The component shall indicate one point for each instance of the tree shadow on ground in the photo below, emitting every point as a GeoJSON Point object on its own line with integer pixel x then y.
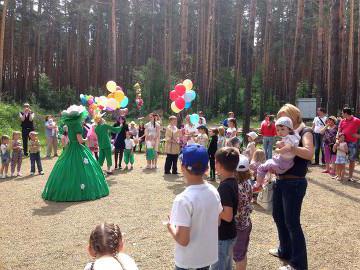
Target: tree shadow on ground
{"type": "Point", "coordinates": [259, 208]}
{"type": "Point", "coordinates": [177, 188]}
{"type": "Point", "coordinates": [54, 208]}
{"type": "Point", "coordinates": [173, 178]}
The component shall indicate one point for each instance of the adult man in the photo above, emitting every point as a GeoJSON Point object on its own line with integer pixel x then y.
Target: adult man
{"type": "Point", "coordinates": [318, 125]}
{"type": "Point", "coordinates": [27, 125]}
{"type": "Point", "coordinates": [349, 126]}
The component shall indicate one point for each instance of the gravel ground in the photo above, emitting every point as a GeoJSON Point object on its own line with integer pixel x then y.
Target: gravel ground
{"type": "Point", "coordinates": [39, 235]}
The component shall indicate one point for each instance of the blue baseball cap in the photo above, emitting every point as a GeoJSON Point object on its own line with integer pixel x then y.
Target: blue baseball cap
{"type": "Point", "coordinates": [195, 158]}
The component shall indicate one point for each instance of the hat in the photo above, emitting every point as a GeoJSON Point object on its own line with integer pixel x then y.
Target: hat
{"type": "Point", "coordinates": [284, 121]}
{"type": "Point", "coordinates": [243, 164]}
{"type": "Point", "coordinates": [252, 135]}
{"type": "Point", "coordinates": [332, 118]}
{"type": "Point", "coordinates": [98, 117]}
{"type": "Point", "coordinates": [132, 123]}
{"type": "Point", "coordinates": [33, 133]}
{"type": "Point", "coordinates": [26, 105]}
{"type": "Point", "coordinates": [201, 127]}
{"type": "Point", "coordinates": [195, 158]}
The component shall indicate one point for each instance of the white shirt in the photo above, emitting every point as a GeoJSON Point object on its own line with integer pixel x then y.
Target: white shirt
{"type": "Point", "coordinates": [292, 140]}
{"type": "Point", "coordinates": [198, 208]}
{"type": "Point", "coordinates": [318, 125]}
{"type": "Point", "coordinates": [230, 131]}
{"type": "Point", "coordinates": [151, 130]}
{"type": "Point", "coordinates": [191, 129]}
{"type": "Point", "coordinates": [110, 263]}
{"type": "Point", "coordinates": [129, 144]}
{"type": "Point", "coordinates": [3, 148]}
{"type": "Point", "coordinates": [149, 144]}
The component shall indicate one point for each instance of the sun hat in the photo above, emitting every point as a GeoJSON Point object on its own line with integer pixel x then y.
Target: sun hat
{"type": "Point", "coordinates": [33, 133]}
{"type": "Point", "coordinates": [195, 158]}
{"type": "Point", "coordinates": [243, 164]}
{"type": "Point", "coordinates": [26, 105]}
{"type": "Point", "coordinates": [333, 118]}
{"type": "Point", "coordinates": [132, 123]}
{"type": "Point", "coordinates": [284, 121]}
{"type": "Point", "coordinates": [252, 135]}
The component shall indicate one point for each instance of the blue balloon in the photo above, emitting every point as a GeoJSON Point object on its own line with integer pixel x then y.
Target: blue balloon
{"type": "Point", "coordinates": [187, 105]}
{"type": "Point", "coordinates": [194, 118]}
{"type": "Point", "coordinates": [192, 94]}
{"type": "Point", "coordinates": [83, 101]}
{"type": "Point", "coordinates": [124, 102]}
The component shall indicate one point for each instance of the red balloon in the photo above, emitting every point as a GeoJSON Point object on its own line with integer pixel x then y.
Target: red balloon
{"type": "Point", "coordinates": [180, 89]}
{"type": "Point", "coordinates": [180, 103]}
{"type": "Point", "coordinates": [173, 95]}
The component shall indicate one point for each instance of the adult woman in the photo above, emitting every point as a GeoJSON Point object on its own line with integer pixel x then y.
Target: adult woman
{"type": "Point", "coordinates": [27, 125]}
{"type": "Point", "coordinates": [190, 130]}
{"type": "Point", "coordinates": [141, 134]}
{"type": "Point", "coordinates": [289, 191]}
{"type": "Point", "coordinates": [119, 141]}
{"type": "Point", "coordinates": [329, 138]}
{"type": "Point", "coordinates": [152, 128]}
{"type": "Point", "coordinates": [76, 176]}
{"type": "Point", "coordinates": [172, 146]}
{"type": "Point", "coordinates": [268, 131]}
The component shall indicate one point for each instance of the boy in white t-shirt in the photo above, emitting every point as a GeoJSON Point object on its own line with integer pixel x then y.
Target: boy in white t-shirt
{"type": "Point", "coordinates": [129, 150]}
{"type": "Point", "coordinates": [195, 213]}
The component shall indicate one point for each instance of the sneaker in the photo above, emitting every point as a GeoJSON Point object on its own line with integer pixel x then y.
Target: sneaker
{"type": "Point", "coordinates": [12, 175]}
{"type": "Point", "coordinates": [351, 180]}
{"type": "Point", "coordinates": [274, 252]}
{"type": "Point", "coordinates": [131, 167]}
{"type": "Point", "coordinates": [41, 173]}
{"type": "Point", "coordinates": [3, 176]}
{"type": "Point", "coordinates": [19, 174]}
{"type": "Point", "coordinates": [126, 167]}
{"type": "Point", "coordinates": [31, 173]}
{"type": "Point", "coordinates": [287, 267]}
{"type": "Point", "coordinates": [334, 176]}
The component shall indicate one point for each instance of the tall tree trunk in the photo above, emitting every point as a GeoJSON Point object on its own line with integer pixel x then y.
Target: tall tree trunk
{"type": "Point", "coordinates": [184, 37]}
{"type": "Point", "coordinates": [294, 68]}
{"type": "Point", "coordinates": [2, 36]}
{"type": "Point", "coordinates": [113, 39]}
{"type": "Point", "coordinates": [320, 57]}
{"type": "Point", "coordinates": [350, 68]}
{"type": "Point", "coordinates": [249, 64]}
{"type": "Point", "coordinates": [343, 52]}
{"type": "Point", "coordinates": [334, 68]}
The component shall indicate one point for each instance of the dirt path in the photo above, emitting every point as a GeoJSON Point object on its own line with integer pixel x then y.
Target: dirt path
{"type": "Point", "coordinates": [38, 235]}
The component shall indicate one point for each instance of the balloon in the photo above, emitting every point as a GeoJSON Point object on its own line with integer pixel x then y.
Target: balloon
{"type": "Point", "coordinates": [188, 84]}
{"type": "Point", "coordinates": [124, 102]}
{"type": "Point", "coordinates": [90, 101]}
{"type": "Point", "coordinates": [83, 101]}
{"type": "Point", "coordinates": [111, 86]}
{"type": "Point", "coordinates": [81, 96]}
{"type": "Point", "coordinates": [118, 88]}
{"type": "Point", "coordinates": [100, 107]}
{"type": "Point", "coordinates": [194, 119]}
{"type": "Point", "coordinates": [180, 103]}
{"type": "Point", "coordinates": [174, 108]}
{"type": "Point", "coordinates": [180, 89]}
{"type": "Point", "coordinates": [187, 105]}
{"type": "Point", "coordinates": [102, 101]}
{"type": "Point", "coordinates": [173, 95]}
{"type": "Point", "coordinates": [190, 95]}
{"type": "Point", "coordinates": [119, 95]}
{"type": "Point", "coordinates": [93, 106]}
{"type": "Point", "coordinates": [111, 103]}
{"type": "Point", "coordinates": [111, 95]}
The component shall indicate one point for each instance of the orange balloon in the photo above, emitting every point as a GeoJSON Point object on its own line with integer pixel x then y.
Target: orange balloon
{"type": "Point", "coordinates": [119, 95]}
{"type": "Point", "coordinates": [111, 95]}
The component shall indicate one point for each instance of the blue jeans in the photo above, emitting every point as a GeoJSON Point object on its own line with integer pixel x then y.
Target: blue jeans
{"type": "Point", "coordinates": [319, 146]}
{"type": "Point", "coordinates": [35, 158]}
{"type": "Point", "coordinates": [268, 146]}
{"type": "Point", "coordinates": [287, 199]}
{"type": "Point", "coordinates": [225, 255]}
{"type": "Point", "coordinates": [203, 268]}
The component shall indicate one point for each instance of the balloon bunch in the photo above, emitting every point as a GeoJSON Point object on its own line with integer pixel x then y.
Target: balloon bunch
{"type": "Point", "coordinates": [182, 96]}
{"type": "Point", "coordinates": [115, 100]}
{"type": "Point", "coordinates": [139, 101]}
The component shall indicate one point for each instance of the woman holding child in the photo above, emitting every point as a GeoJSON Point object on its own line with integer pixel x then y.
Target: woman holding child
{"type": "Point", "coordinates": [289, 191]}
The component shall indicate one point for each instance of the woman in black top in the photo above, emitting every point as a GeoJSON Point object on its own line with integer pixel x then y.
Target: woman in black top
{"type": "Point", "coordinates": [212, 150]}
{"type": "Point", "coordinates": [141, 135]}
{"type": "Point", "coordinates": [119, 141]}
{"type": "Point", "coordinates": [289, 191]}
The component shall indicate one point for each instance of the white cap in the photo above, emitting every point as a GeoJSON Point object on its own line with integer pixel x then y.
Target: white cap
{"type": "Point", "coordinates": [252, 134]}
{"type": "Point", "coordinates": [243, 164]}
{"type": "Point", "coordinates": [284, 121]}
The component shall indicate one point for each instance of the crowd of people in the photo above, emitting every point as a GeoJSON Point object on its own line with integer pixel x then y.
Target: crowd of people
{"type": "Point", "coordinates": [202, 242]}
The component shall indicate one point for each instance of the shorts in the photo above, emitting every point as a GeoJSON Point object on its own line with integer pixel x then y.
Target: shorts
{"type": "Point", "coordinates": [242, 244]}
{"type": "Point", "coordinates": [353, 150]}
{"type": "Point", "coordinates": [150, 154]}
{"type": "Point", "coordinates": [5, 159]}
{"type": "Point", "coordinates": [341, 160]}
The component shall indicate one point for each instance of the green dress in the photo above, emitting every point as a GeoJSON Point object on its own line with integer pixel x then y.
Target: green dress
{"type": "Point", "coordinates": [76, 175]}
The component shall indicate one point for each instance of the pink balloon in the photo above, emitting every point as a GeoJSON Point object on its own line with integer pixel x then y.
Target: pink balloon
{"type": "Point", "coordinates": [180, 89]}
{"type": "Point", "coordinates": [180, 103]}
{"type": "Point", "coordinates": [173, 95]}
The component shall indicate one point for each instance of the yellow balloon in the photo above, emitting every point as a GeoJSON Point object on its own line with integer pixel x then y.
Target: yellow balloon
{"type": "Point", "coordinates": [188, 84]}
{"type": "Point", "coordinates": [111, 95]}
{"type": "Point", "coordinates": [119, 95]}
{"type": "Point", "coordinates": [111, 86]}
{"type": "Point", "coordinates": [174, 108]}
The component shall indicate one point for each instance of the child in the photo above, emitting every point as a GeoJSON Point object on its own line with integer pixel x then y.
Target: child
{"type": "Point", "coordinates": [51, 131]}
{"type": "Point", "coordinates": [213, 147]}
{"type": "Point", "coordinates": [341, 149]}
{"type": "Point", "coordinates": [129, 151]}
{"type": "Point", "coordinates": [284, 159]}
{"type": "Point", "coordinates": [227, 160]}
{"type": "Point", "coordinates": [65, 137]}
{"type": "Point", "coordinates": [5, 156]}
{"type": "Point", "coordinates": [194, 218]}
{"type": "Point", "coordinates": [150, 151]}
{"type": "Point", "coordinates": [202, 138]}
{"type": "Point", "coordinates": [251, 147]}
{"type": "Point", "coordinates": [172, 146]}
{"type": "Point", "coordinates": [34, 149]}
{"type": "Point", "coordinates": [16, 157]}
{"type": "Point", "coordinates": [93, 141]}
{"type": "Point", "coordinates": [258, 159]}
{"type": "Point", "coordinates": [141, 134]}
{"type": "Point", "coordinates": [244, 209]}
{"type": "Point", "coordinates": [221, 137]}
{"type": "Point", "coordinates": [106, 245]}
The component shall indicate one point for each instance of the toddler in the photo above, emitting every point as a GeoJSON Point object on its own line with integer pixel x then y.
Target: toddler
{"type": "Point", "coordinates": [16, 157]}
{"type": "Point", "coordinates": [251, 146]}
{"type": "Point", "coordinates": [106, 246]}
{"type": "Point", "coordinates": [258, 159]}
{"type": "Point", "coordinates": [5, 156]}
{"type": "Point", "coordinates": [34, 149]}
{"type": "Point", "coordinates": [65, 137]}
{"type": "Point", "coordinates": [129, 150]}
{"type": "Point", "coordinates": [341, 149]}
{"type": "Point", "coordinates": [284, 158]}
{"type": "Point", "coordinates": [93, 141]}
{"type": "Point", "coordinates": [202, 138]}
{"type": "Point", "coordinates": [221, 138]}
{"type": "Point", "coordinates": [150, 151]}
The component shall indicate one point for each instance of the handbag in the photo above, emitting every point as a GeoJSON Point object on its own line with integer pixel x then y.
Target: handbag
{"type": "Point", "coordinates": [265, 197]}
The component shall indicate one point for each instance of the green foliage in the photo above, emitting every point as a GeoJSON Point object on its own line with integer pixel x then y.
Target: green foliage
{"type": "Point", "coordinates": [303, 90]}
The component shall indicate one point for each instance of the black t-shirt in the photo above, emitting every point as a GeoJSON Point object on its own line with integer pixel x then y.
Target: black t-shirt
{"type": "Point", "coordinates": [228, 190]}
